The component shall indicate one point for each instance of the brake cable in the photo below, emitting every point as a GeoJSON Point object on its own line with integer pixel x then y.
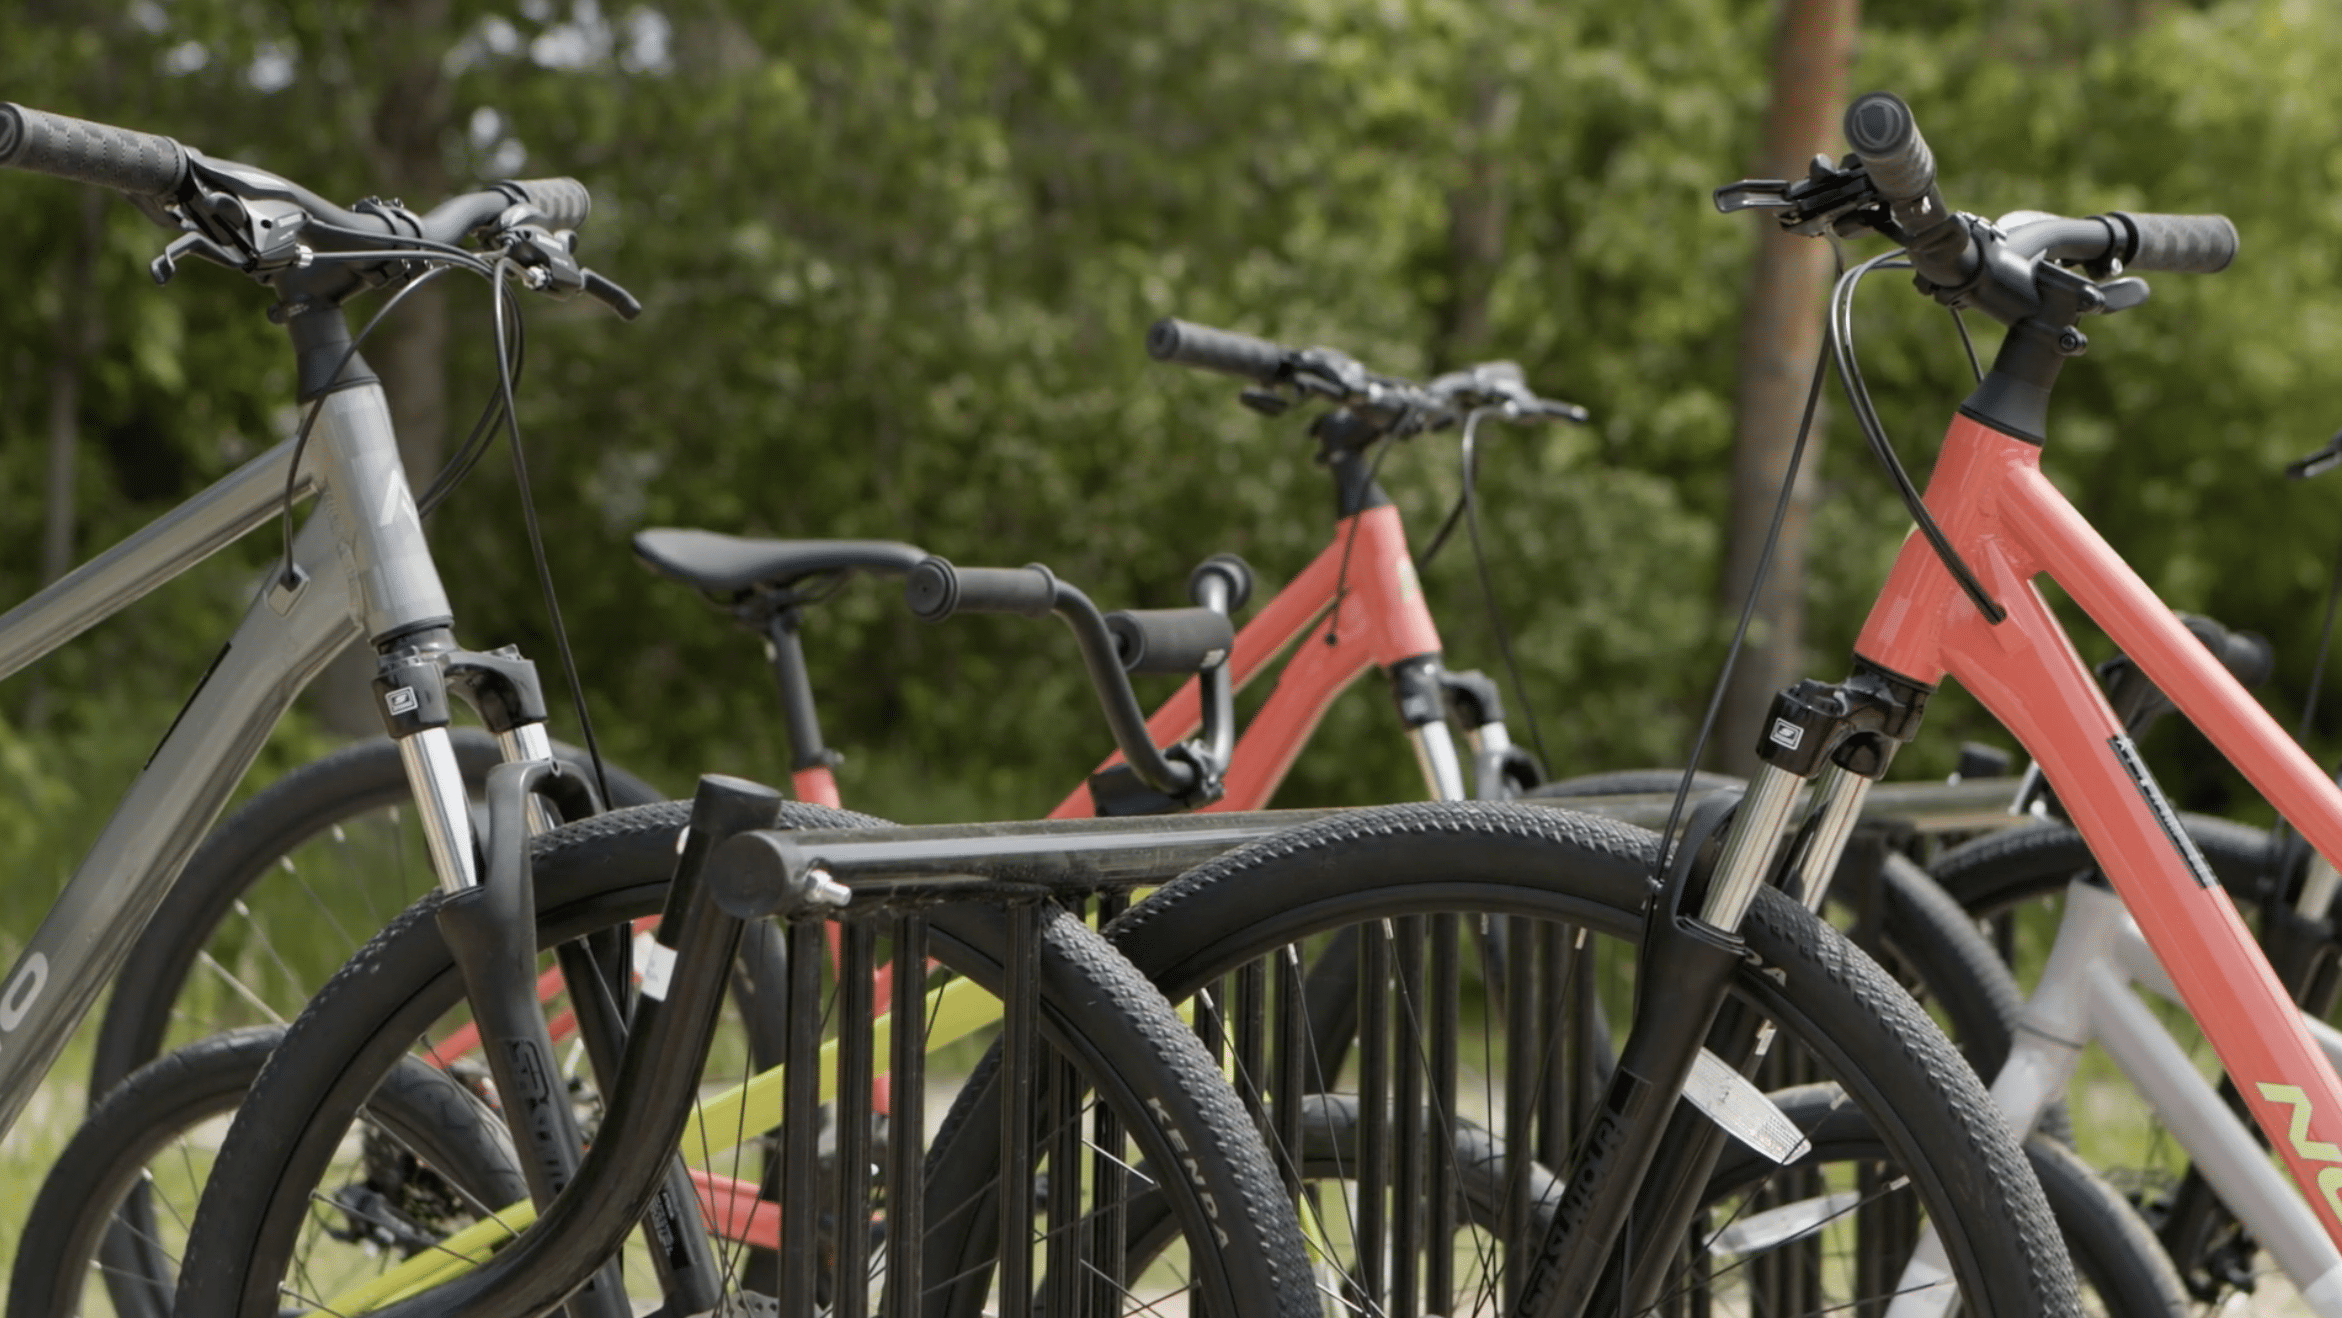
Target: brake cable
{"type": "Point", "coordinates": [1469, 502]}
{"type": "Point", "coordinates": [475, 445]}
{"type": "Point", "coordinates": [1840, 342]}
{"type": "Point", "coordinates": [1664, 854]}
{"type": "Point", "coordinates": [528, 509]}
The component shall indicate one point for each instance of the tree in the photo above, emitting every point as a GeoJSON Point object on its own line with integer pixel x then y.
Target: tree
{"type": "Point", "coordinates": [1780, 335]}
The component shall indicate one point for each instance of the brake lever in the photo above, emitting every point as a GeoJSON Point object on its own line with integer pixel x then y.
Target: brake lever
{"type": "Point", "coordinates": [606, 291]}
{"type": "Point", "coordinates": [165, 267]}
{"type": "Point", "coordinates": [1837, 197]}
{"type": "Point", "coordinates": [2318, 463]}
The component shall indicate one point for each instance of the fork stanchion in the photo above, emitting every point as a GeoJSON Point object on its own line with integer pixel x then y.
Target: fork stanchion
{"type": "Point", "coordinates": [800, 1124]}
{"type": "Point", "coordinates": [850, 1291]}
{"type": "Point", "coordinates": [1374, 1113]}
{"type": "Point", "coordinates": [1439, 1282]}
{"type": "Point", "coordinates": [906, 1199]}
{"type": "Point", "coordinates": [1019, 1052]}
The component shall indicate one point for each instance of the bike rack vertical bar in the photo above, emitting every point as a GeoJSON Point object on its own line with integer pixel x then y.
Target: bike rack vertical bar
{"type": "Point", "coordinates": [801, 1124]}
{"type": "Point", "coordinates": [1522, 1057]}
{"type": "Point", "coordinates": [1294, 1047]}
{"type": "Point", "coordinates": [906, 1145]}
{"type": "Point", "coordinates": [1374, 1114]}
{"type": "Point", "coordinates": [1407, 1116]}
{"type": "Point", "coordinates": [1565, 1047]}
{"type": "Point", "coordinates": [1062, 1290]}
{"type": "Point", "coordinates": [850, 1292]}
{"type": "Point", "coordinates": [1018, 1056]}
{"type": "Point", "coordinates": [1211, 1022]}
{"type": "Point", "coordinates": [1252, 1006]}
{"type": "Point", "coordinates": [1109, 1184]}
{"type": "Point", "coordinates": [1439, 1279]}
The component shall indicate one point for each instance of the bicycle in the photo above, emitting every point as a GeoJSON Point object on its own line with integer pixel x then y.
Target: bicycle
{"type": "Point", "coordinates": [317, 256]}
{"type": "Point", "coordinates": [1959, 601]}
{"type": "Point", "coordinates": [363, 570]}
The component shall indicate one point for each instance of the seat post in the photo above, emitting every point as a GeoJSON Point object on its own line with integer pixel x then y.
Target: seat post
{"type": "Point", "coordinates": [809, 760]}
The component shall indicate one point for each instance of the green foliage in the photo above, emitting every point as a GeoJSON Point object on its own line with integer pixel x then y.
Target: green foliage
{"type": "Point", "coordinates": [899, 259]}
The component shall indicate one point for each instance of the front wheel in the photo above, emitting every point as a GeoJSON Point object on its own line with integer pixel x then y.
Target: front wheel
{"type": "Point", "coordinates": [1395, 1221]}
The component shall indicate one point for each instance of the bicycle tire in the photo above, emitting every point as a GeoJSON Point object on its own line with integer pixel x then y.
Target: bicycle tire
{"type": "Point", "coordinates": [2112, 1249]}
{"type": "Point", "coordinates": [244, 848]}
{"type": "Point", "coordinates": [1994, 872]}
{"type": "Point", "coordinates": [74, 1226]}
{"type": "Point", "coordinates": [606, 870]}
{"type": "Point", "coordinates": [1368, 866]}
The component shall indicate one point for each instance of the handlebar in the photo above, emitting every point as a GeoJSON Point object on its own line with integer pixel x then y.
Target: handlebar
{"type": "Point", "coordinates": [1370, 406]}
{"type": "Point", "coordinates": [1112, 647]}
{"type": "Point", "coordinates": [257, 222]}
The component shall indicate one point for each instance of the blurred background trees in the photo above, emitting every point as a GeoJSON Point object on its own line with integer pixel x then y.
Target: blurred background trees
{"type": "Point", "coordinates": [899, 260]}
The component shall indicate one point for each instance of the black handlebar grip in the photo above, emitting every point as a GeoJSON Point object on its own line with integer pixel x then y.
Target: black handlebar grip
{"type": "Point", "coordinates": [935, 589]}
{"type": "Point", "coordinates": [1235, 571]}
{"type": "Point", "coordinates": [1200, 346]}
{"type": "Point", "coordinates": [2182, 244]}
{"type": "Point", "coordinates": [564, 202]}
{"type": "Point", "coordinates": [98, 154]}
{"type": "Point", "coordinates": [1886, 140]}
{"type": "Point", "coordinates": [1170, 640]}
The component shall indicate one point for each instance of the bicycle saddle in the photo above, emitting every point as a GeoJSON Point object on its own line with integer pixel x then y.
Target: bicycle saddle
{"type": "Point", "coordinates": [708, 561]}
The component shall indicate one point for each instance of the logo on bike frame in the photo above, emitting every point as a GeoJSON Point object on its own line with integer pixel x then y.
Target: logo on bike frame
{"type": "Point", "coordinates": [2126, 753]}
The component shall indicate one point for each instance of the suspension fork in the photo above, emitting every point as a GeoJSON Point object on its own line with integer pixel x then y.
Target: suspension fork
{"type": "Point", "coordinates": [1417, 690]}
{"type": "Point", "coordinates": [1690, 950]}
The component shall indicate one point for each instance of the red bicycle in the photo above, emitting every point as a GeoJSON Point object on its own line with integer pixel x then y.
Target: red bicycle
{"type": "Point", "coordinates": [1961, 601]}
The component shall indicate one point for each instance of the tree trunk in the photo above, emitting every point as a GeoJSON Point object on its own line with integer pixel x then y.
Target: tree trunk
{"type": "Point", "coordinates": [1780, 339]}
{"type": "Point", "coordinates": [410, 122]}
{"type": "Point", "coordinates": [80, 332]}
{"type": "Point", "coordinates": [1476, 226]}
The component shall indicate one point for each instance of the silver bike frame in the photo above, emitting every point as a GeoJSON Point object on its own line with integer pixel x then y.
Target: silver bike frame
{"type": "Point", "coordinates": [364, 569]}
{"type": "Point", "coordinates": [2085, 995]}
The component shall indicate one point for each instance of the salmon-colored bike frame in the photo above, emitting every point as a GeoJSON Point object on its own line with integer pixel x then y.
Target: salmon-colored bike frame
{"type": "Point", "coordinates": [1359, 605]}
{"type": "Point", "coordinates": [2010, 524]}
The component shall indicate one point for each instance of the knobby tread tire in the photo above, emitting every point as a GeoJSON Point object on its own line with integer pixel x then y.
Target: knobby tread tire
{"type": "Point", "coordinates": [1480, 856]}
{"type": "Point", "coordinates": [594, 874]}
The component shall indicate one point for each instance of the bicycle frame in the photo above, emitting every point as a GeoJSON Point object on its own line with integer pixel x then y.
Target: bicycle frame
{"type": "Point", "coordinates": [2085, 996]}
{"type": "Point", "coordinates": [364, 569]}
{"type": "Point", "coordinates": [1363, 588]}
{"type": "Point", "coordinates": [2011, 524]}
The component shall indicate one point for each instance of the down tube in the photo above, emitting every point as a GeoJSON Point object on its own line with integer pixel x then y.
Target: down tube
{"type": "Point", "coordinates": [2026, 672]}
{"type": "Point", "coordinates": [172, 802]}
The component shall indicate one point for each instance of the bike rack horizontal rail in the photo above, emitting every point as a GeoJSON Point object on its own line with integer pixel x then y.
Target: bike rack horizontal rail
{"type": "Point", "coordinates": [954, 860]}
